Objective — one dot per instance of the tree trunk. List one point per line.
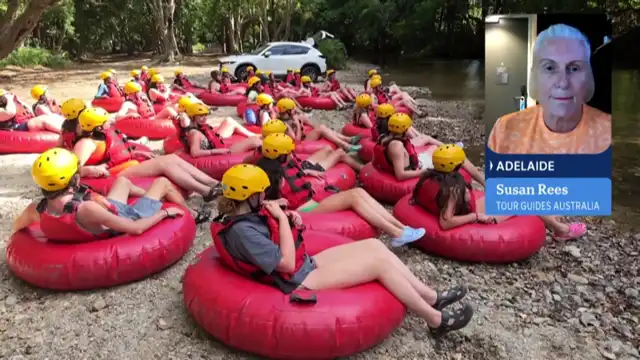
(15, 27)
(170, 43)
(230, 35)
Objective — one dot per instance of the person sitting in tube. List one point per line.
(309, 89)
(137, 105)
(383, 95)
(181, 81)
(258, 233)
(136, 76)
(158, 92)
(321, 131)
(200, 139)
(363, 115)
(287, 174)
(562, 82)
(220, 86)
(395, 153)
(254, 89)
(108, 88)
(144, 73)
(333, 84)
(444, 192)
(72, 212)
(105, 152)
(45, 104)
(228, 77)
(15, 115)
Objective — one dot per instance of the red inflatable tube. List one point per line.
(217, 99)
(366, 151)
(317, 102)
(149, 127)
(26, 142)
(110, 104)
(241, 107)
(340, 176)
(214, 165)
(512, 240)
(260, 319)
(99, 264)
(243, 85)
(345, 223)
(172, 144)
(311, 146)
(193, 90)
(404, 110)
(353, 130)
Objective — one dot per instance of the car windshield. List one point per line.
(259, 49)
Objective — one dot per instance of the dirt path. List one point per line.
(574, 301)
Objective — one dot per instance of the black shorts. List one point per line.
(307, 165)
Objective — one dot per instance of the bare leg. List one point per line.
(196, 173)
(343, 266)
(48, 122)
(350, 200)
(246, 145)
(229, 126)
(166, 113)
(323, 132)
(120, 190)
(374, 204)
(163, 189)
(331, 157)
(473, 171)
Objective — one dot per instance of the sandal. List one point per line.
(354, 148)
(452, 321)
(450, 296)
(213, 194)
(576, 230)
(203, 216)
(355, 139)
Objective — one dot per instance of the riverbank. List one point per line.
(570, 301)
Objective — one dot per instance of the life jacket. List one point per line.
(68, 134)
(224, 87)
(357, 114)
(143, 105)
(335, 84)
(65, 228)
(315, 92)
(183, 82)
(23, 114)
(295, 188)
(272, 114)
(277, 278)
(298, 81)
(269, 88)
(161, 88)
(381, 160)
(50, 103)
(144, 77)
(113, 90)
(290, 79)
(426, 193)
(142, 84)
(381, 95)
(380, 128)
(115, 150)
(215, 141)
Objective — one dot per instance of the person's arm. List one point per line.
(492, 141)
(99, 214)
(28, 216)
(287, 246)
(195, 138)
(83, 150)
(365, 121)
(396, 155)
(448, 220)
(254, 244)
(124, 110)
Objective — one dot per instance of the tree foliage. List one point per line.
(381, 30)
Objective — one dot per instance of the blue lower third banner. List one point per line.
(548, 196)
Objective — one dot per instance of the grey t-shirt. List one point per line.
(250, 241)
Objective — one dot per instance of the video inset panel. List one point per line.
(548, 114)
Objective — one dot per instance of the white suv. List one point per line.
(278, 57)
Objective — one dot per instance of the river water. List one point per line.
(464, 80)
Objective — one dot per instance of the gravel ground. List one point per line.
(570, 301)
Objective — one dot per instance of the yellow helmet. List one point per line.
(285, 104)
(92, 118)
(244, 180)
(184, 102)
(178, 72)
(152, 71)
(375, 82)
(289, 70)
(274, 126)
(105, 75)
(276, 145)
(135, 73)
(37, 91)
(264, 99)
(250, 68)
(399, 123)
(144, 68)
(363, 100)
(372, 72)
(2, 92)
(329, 72)
(157, 78)
(377, 76)
(258, 72)
(132, 87)
(54, 169)
(297, 71)
(267, 72)
(224, 70)
(196, 109)
(448, 157)
(305, 79)
(72, 108)
(385, 110)
(253, 80)
(113, 71)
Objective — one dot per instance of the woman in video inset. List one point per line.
(562, 82)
